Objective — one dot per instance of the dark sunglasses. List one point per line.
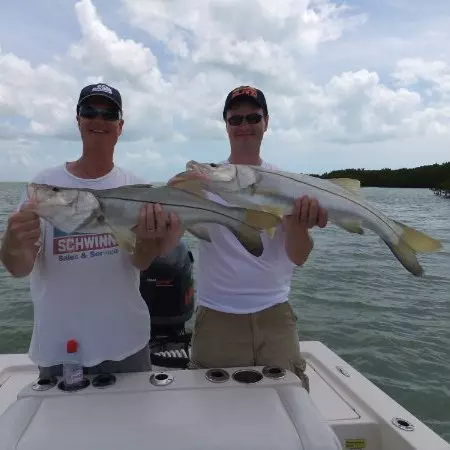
(252, 119)
(89, 112)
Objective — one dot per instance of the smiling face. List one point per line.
(246, 125)
(100, 123)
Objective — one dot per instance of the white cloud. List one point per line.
(153, 158)
(41, 94)
(410, 71)
(103, 51)
(177, 61)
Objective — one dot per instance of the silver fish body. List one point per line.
(276, 191)
(117, 211)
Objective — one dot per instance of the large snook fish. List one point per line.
(116, 211)
(275, 191)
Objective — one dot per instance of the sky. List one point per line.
(357, 83)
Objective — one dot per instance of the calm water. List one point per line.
(353, 295)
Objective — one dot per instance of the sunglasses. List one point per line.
(89, 112)
(252, 119)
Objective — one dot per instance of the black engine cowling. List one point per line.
(167, 287)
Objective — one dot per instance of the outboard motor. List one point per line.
(167, 287)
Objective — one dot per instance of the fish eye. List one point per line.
(55, 189)
(213, 165)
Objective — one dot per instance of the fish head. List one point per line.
(68, 209)
(215, 172)
(225, 175)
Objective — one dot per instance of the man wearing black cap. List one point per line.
(84, 287)
(243, 316)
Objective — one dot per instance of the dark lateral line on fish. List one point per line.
(186, 206)
(332, 193)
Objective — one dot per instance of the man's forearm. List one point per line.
(299, 247)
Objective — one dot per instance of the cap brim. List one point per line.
(99, 94)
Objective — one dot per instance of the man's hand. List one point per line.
(153, 226)
(22, 231)
(155, 234)
(20, 241)
(306, 214)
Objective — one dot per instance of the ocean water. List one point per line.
(352, 294)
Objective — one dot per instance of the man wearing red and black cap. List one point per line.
(85, 287)
(243, 316)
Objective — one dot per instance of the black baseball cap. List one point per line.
(102, 90)
(246, 91)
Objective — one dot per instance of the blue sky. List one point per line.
(361, 83)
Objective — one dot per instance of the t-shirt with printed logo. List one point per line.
(84, 287)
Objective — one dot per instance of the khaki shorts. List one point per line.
(267, 337)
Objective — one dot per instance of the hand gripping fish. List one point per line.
(275, 191)
(116, 211)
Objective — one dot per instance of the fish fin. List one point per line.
(270, 232)
(199, 232)
(352, 226)
(261, 219)
(256, 220)
(249, 238)
(418, 241)
(273, 210)
(248, 234)
(350, 184)
(126, 238)
(276, 212)
(196, 187)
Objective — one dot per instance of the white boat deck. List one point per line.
(361, 415)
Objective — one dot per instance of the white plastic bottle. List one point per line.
(72, 368)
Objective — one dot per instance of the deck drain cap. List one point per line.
(247, 376)
(161, 379)
(44, 384)
(274, 372)
(217, 375)
(403, 424)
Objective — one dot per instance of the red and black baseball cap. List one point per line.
(100, 90)
(248, 92)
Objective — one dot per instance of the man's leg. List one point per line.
(276, 340)
(221, 340)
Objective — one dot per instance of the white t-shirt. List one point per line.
(85, 287)
(230, 279)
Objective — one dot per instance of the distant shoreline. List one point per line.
(435, 177)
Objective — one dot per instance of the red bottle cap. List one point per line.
(72, 346)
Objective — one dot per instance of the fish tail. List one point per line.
(407, 257)
(410, 243)
(418, 241)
